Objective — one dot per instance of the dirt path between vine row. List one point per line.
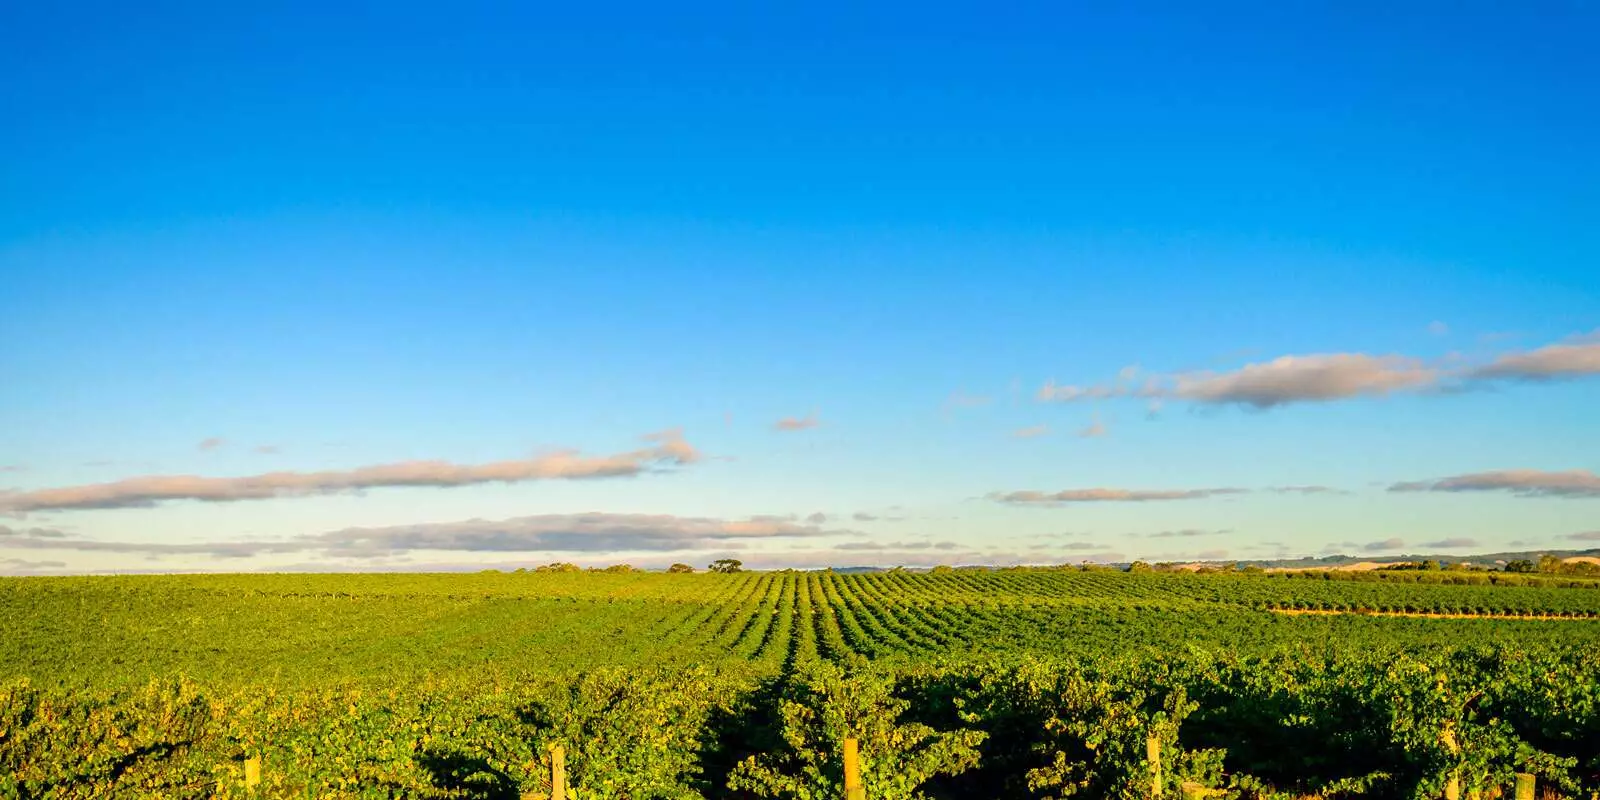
(1327, 612)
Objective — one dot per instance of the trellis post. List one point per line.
(853, 790)
(1452, 784)
(252, 772)
(1525, 785)
(558, 772)
(1152, 752)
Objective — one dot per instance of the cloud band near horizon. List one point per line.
(545, 533)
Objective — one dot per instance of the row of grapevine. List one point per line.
(1028, 729)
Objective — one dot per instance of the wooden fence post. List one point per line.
(1152, 752)
(853, 790)
(252, 772)
(1525, 785)
(558, 772)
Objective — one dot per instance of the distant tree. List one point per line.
(1520, 565)
(726, 565)
(1431, 565)
(620, 568)
(559, 566)
(679, 569)
(1550, 563)
(942, 569)
(1581, 568)
(1140, 566)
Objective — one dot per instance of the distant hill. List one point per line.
(1484, 559)
(1323, 562)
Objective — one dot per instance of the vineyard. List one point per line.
(963, 683)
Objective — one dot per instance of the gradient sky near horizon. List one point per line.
(393, 286)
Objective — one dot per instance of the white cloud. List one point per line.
(1293, 379)
(797, 423)
(667, 450)
(1106, 495)
(1571, 483)
(1189, 533)
(1577, 357)
(1326, 377)
(1452, 543)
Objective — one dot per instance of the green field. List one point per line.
(1011, 683)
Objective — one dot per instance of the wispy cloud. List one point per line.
(868, 516)
(1384, 545)
(1105, 495)
(1438, 328)
(59, 541)
(266, 449)
(1586, 536)
(797, 423)
(8, 534)
(817, 518)
(1284, 380)
(1093, 430)
(18, 566)
(559, 533)
(667, 449)
(12, 468)
(902, 545)
(211, 443)
(1294, 379)
(1304, 490)
(1572, 483)
(1189, 533)
(1325, 377)
(1082, 546)
(1577, 357)
(1031, 432)
(1050, 392)
(1452, 543)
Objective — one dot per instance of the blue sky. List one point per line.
(1343, 246)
